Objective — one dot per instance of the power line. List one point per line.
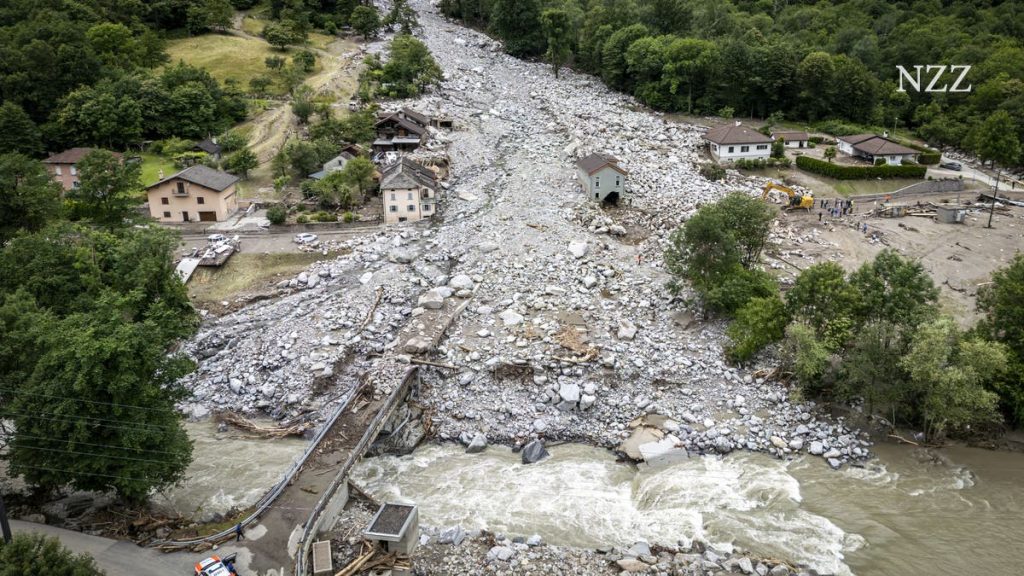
(98, 419)
(21, 435)
(135, 427)
(61, 451)
(17, 392)
(117, 477)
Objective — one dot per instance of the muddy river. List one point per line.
(909, 512)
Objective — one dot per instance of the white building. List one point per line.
(409, 192)
(792, 138)
(735, 141)
(872, 147)
(601, 178)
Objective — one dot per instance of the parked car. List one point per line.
(305, 238)
(214, 238)
(951, 165)
(214, 566)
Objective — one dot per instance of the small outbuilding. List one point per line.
(950, 214)
(791, 138)
(601, 177)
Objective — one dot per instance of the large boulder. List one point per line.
(510, 318)
(477, 444)
(461, 282)
(534, 452)
(432, 300)
(578, 249)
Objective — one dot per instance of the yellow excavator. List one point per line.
(795, 200)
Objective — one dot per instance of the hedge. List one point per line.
(842, 172)
(927, 155)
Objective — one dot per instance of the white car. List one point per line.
(214, 238)
(305, 238)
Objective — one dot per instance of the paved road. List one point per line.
(119, 558)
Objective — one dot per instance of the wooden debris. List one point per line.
(434, 364)
(244, 423)
(369, 315)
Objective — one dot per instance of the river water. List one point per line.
(910, 512)
(228, 470)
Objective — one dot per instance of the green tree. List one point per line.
(816, 76)
(872, 368)
(241, 162)
(949, 374)
(277, 214)
(280, 35)
(894, 289)
(108, 190)
(995, 141)
(274, 62)
(517, 23)
(33, 553)
(258, 84)
(410, 68)
(823, 299)
(403, 16)
(305, 60)
(365, 20)
(1002, 302)
(18, 133)
(779, 148)
(334, 190)
(805, 356)
(760, 322)
(100, 115)
(558, 31)
(29, 197)
(614, 68)
(358, 172)
(302, 104)
(830, 153)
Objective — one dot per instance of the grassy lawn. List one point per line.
(152, 164)
(253, 26)
(245, 273)
(225, 57)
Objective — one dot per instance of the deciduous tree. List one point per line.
(29, 197)
(557, 30)
(33, 553)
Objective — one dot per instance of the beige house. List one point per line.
(64, 166)
(792, 138)
(601, 178)
(735, 141)
(197, 193)
(874, 148)
(409, 192)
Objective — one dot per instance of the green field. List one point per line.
(226, 57)
(245, 273)
(152, 164)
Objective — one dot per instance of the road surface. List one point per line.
(118, 558)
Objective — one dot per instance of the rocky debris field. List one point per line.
(454, 550)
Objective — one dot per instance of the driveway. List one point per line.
(119, 558)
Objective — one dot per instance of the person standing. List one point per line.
(239, 535)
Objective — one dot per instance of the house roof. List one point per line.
(403, 122)
(735, 134)
(879, 146)
(415, 116)
(73, 156)
(407, 173)
(597, 161)
(208, 146)
(790, 135)
(202, 175)
(856, 138)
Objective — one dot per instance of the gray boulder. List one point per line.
(431, 300)
(477, 444)
(534, 452)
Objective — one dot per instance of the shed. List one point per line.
(950, 214)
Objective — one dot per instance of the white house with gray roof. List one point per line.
(409, 192)
(601, 178)
(735, 141)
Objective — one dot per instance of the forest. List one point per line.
(828, 63)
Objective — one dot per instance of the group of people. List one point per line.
(834, 207)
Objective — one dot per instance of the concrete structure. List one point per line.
(409, 192)
(197, 193)
(735, 141)
(64, 166)
(872, 147)
(792, 138)
(397, 528)
(601, 178)
(950, 214)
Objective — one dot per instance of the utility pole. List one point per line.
(4, 526)
(995, 194)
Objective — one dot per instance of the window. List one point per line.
(200, 200)
(392, 196)
(762, 146)
(426, 207)
(412, 207)
(617, 181)
(731, 148)
(165, 201)
(60, 171)
(76, 184)
(744, 148)
(74, 170)
(167, 214)
(393, 208)
(410, 196)
(181, 188)
(714, 147)
(597, 182)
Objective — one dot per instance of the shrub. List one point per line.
(841, 172)
(758, 323)
(815, 140)
(302, 219)
(308, 189)
(323, 216)
(879, 161)
(277, 214)
(349, 217)
(712, 172)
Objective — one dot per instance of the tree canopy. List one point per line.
(38, 554)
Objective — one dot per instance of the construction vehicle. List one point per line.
(795, 200)
(214, 566)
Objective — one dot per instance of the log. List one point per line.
(244, 423)
(369, 315)
(434, 364)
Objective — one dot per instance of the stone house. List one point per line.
(408, 191)
(735, 141)
(197, 193)
(398, 132)
(872, 147)
(792, 138)
(64, 166)
(601, 178)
